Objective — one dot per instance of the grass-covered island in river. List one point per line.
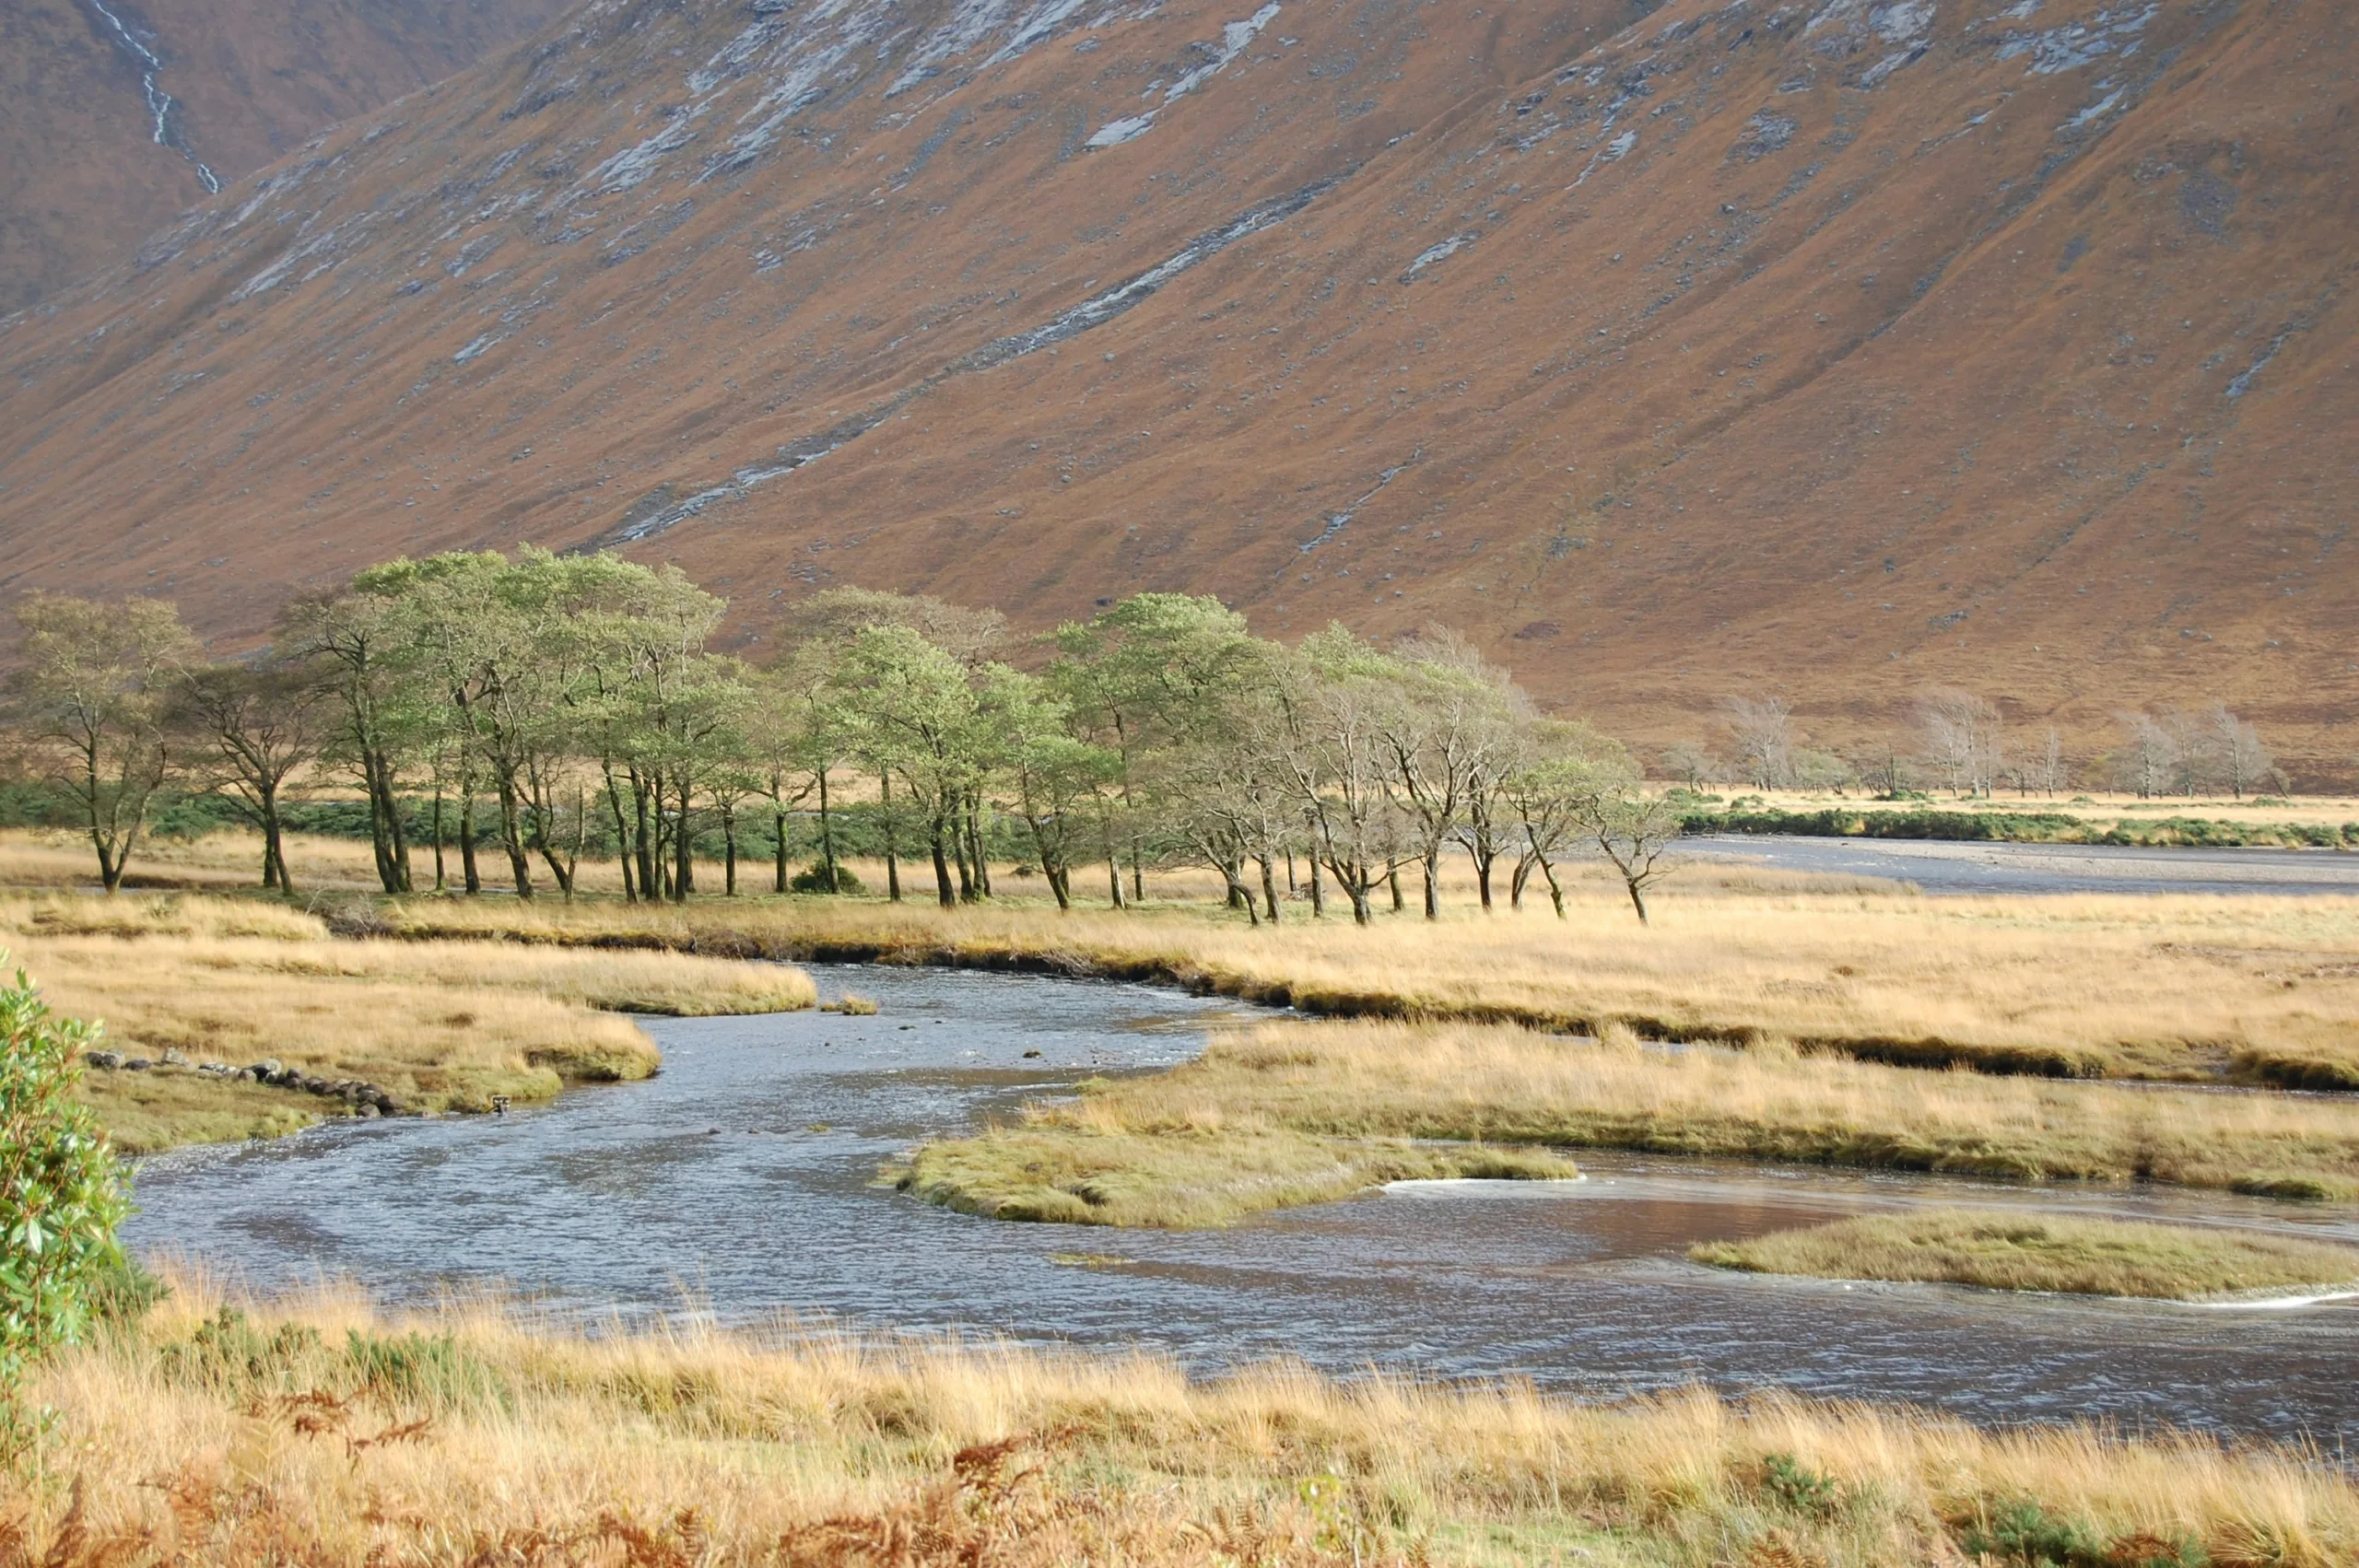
(2016, 1251)
(1188, 1145)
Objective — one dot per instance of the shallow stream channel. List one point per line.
(742, 1182)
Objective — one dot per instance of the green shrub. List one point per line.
(60, 1196)
(1787, 1480)
(2023, 1532)
(227, 1351)
(815, 880)
(424, 1368)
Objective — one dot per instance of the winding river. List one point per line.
(740, 1182)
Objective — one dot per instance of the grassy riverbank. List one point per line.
(1164, 1140)
(2250, 989)
(326, 1434)
(2018, 1252)
(1191, 1177)
(437, 1026)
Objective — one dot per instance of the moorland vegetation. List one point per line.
(1997, 1249)
(318, 1431)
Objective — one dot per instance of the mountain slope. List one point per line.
(1842, 348)
(114, 116)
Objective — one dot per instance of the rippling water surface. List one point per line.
(742, 1178)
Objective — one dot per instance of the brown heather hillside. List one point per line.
(1842, 347)
(83, 176)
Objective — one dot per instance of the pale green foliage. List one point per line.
(90, 688)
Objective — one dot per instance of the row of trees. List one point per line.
(1957, 741)
(543, 706)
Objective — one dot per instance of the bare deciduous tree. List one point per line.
(2149, 758)
(247, 729)
(2048, 769)
(1763, 730)
(1962, 739)
(1692, 763)
(2240, 758)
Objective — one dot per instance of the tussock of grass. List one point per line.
(2147, 986)
(326, 1434)
(2018, 1252)
(1198, 1177)
(439, 1026)
(1504, 1086)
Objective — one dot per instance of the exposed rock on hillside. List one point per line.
(117, 114)
(1842, 347)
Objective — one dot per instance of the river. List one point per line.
(740, 1182)
(1940, 866)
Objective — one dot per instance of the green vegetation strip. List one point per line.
(2016, 1252)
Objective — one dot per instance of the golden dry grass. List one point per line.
(1199, 1175)
(2021, 1252)
(439, 1026)
(2089, 805)
(326, 1435)
(1509, 1086)
(2165, 987)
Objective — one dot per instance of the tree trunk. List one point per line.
(467, 840)
(1516, 882)
(957, 828)
(512, 836)
(892, 855)
(729, 849)
(684, 851)
(1361, 913)
(380, 841)
(778, 847)
(650, 834)
(401, 834)
(1050, 866)
(1433, 883)
(273, 842)
(1482, 877)
(1637, 898)
(1317, 892)
(827, 837)
(975, 839)
(1234, 874)
(1269, 888)
(441, 883)
(1555, 890)
(943, 893)
(622, 835)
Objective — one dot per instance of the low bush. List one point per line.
(815, 879)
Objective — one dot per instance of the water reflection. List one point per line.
(743, 1177)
